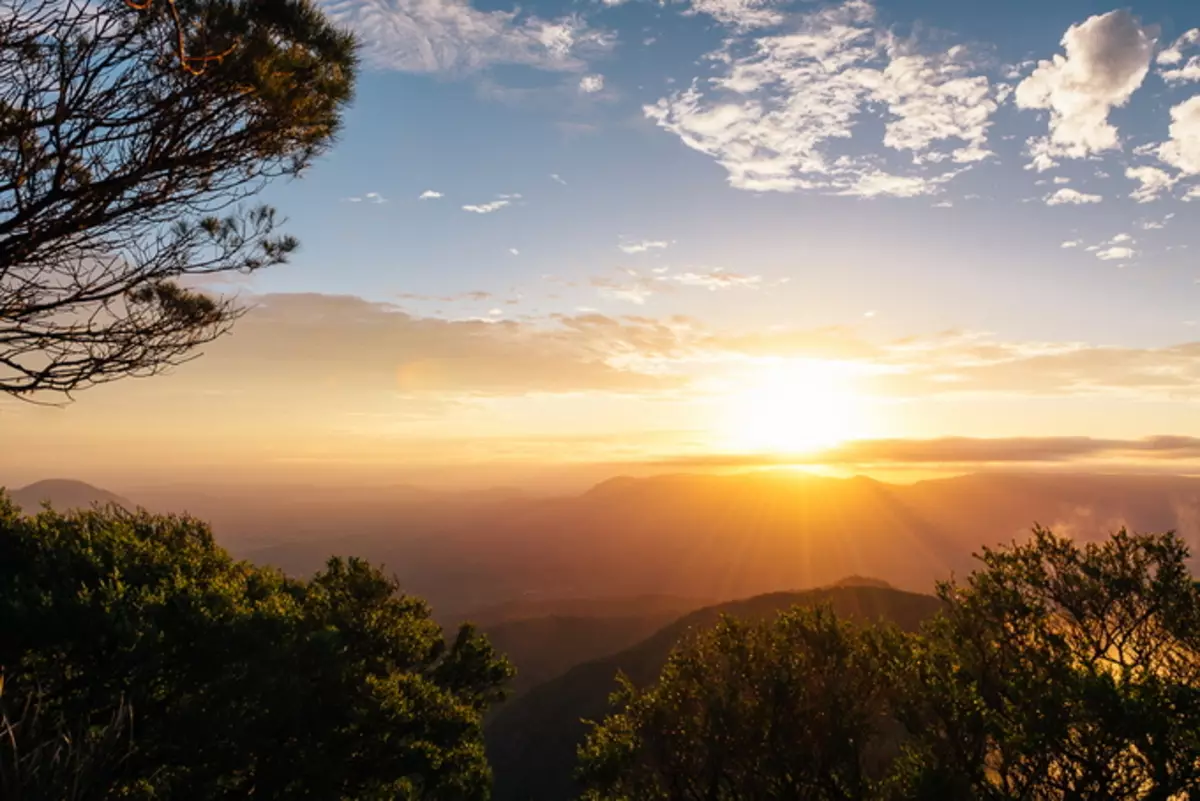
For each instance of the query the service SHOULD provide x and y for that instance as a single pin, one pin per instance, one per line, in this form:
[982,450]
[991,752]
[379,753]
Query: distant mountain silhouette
[710,536]
[862,581]
[64,495]
[532,740]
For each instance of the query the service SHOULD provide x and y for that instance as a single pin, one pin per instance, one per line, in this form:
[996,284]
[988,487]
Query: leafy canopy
[234,680]
[1055,671]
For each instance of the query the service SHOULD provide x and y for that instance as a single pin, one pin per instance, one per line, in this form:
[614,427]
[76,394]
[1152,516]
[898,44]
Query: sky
[860,235]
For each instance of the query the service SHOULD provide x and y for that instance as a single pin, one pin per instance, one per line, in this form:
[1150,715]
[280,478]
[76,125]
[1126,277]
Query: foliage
[1055,671]
[785,709]
[130,133]
[533,739]
[240,682]
[1060,671]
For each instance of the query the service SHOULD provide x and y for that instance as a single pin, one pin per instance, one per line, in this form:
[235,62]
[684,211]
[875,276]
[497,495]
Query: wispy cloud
[1171,59]
[777,102]
[430,194]
[1107,58]
[454,36]
[713,279]
[557,178]
[1153,183]
[369,197]
[960,451]
[642,246]
[495,205]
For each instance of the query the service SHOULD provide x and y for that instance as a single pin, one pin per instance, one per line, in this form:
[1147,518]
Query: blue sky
[611,231]
[464,121]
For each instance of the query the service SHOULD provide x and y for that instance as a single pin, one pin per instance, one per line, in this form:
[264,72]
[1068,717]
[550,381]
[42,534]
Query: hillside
[532,741]
[63,495]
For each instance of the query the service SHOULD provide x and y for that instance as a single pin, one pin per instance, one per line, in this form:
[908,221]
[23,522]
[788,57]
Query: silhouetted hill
[546,647]
[532,740]
[862,581]
[63,495]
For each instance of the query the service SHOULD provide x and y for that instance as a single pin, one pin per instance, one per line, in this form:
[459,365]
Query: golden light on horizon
[792,406]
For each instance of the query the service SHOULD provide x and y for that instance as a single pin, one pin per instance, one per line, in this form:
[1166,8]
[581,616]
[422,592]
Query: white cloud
[369,197]
[1115,253]
[1070,196]
[1107,58]
[642,247]
[1061,179]
[1153,182]
[1173,55]
[1192,194]
[514,251]
[714,280]
[739,14]
[1121,238]
[1074,243]
[429,194]
[590,84]
[453,35]
[778,101]
[487,208]
[1182,150]
[557,178]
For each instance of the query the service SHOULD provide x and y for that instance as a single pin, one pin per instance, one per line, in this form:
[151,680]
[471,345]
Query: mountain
[715,536]
[532,740]
[63,495]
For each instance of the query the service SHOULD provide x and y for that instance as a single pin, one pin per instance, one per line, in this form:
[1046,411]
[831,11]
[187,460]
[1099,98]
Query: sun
[792,406]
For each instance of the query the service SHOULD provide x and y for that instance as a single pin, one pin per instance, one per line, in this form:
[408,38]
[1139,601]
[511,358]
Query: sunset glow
[793,406]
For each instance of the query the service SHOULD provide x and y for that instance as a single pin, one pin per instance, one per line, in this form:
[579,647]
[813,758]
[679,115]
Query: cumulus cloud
[1107,58]
[1172,59]
[642,246]
[1066,195]
[1074,243]
[453,35]
[429,194]
[1153,182]
[590,84]
[1115,253]
[1182,150]
[778,102]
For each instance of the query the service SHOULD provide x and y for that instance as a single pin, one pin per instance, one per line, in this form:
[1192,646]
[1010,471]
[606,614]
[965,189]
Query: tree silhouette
[131,134]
